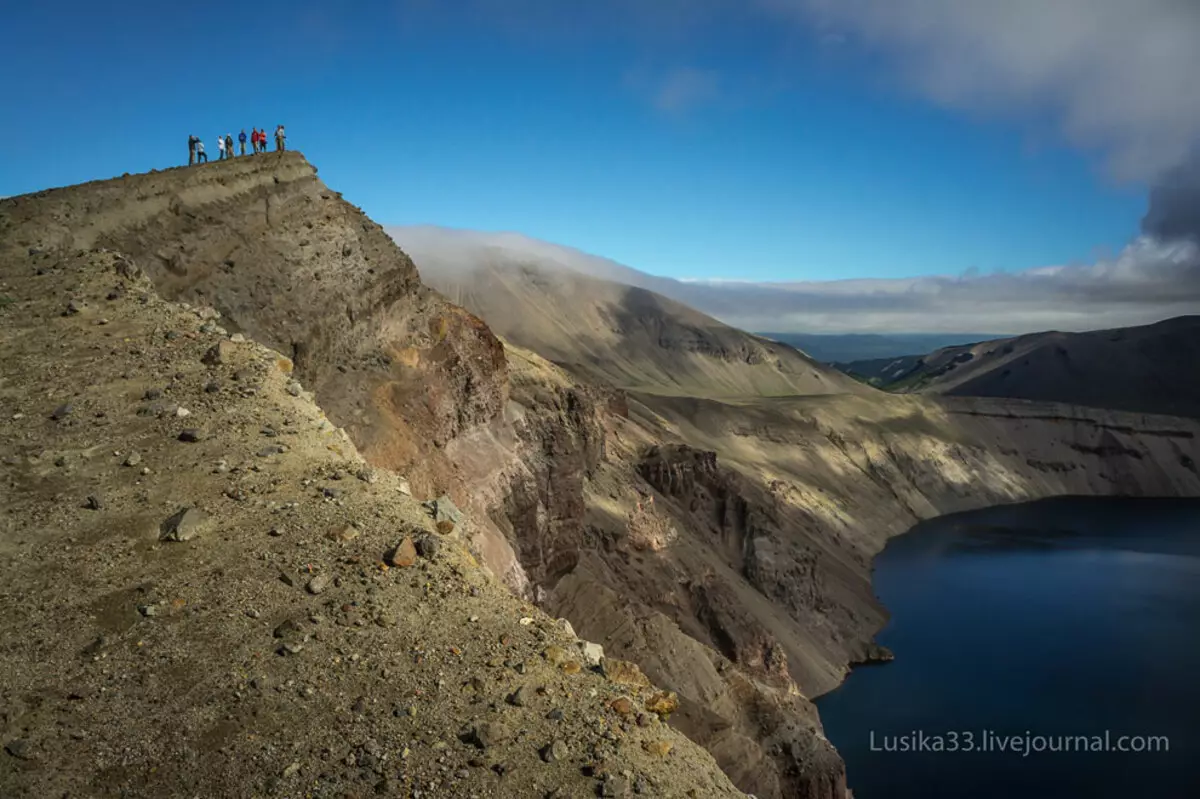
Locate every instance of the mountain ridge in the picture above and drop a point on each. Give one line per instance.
(1144, 368)
(628, 336)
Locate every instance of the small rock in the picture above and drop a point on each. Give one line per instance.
(663, 703)
(218, 353)
(152, 394)
(212, 387)
(444, 509)
(287, 579)
(368, 475)
(519, 697)
(133, 459)
(94, 503)
(185, 525)
(571, 667)
(73, 308)
(565, 626)
(403, 487)
(622, 705)
(237, 338)
(295, 389)
(182, 412)
(554, 655)
(343, 534)
(18, 748)
(593, 654)
(615, 786)
(403, 555)
(148, 610)
(489, 733)
(556, 751)
(428, 546)
(62, 412)
(191, 435)
(623, 672)
(318, 584)
(555, 715)
(288, 628)
(658, 748)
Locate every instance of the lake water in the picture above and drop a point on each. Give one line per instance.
(1048, 625)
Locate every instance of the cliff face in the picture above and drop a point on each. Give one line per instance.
(289, 263)
(730, 545)
(725, 546)
(207, 591)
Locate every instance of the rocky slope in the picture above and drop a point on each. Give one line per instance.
(626, 336)
(722, 542)
(1147, 369)
(208, 591)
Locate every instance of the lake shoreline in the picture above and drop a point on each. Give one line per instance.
(1020, 670)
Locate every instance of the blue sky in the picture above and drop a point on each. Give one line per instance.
(722, 142)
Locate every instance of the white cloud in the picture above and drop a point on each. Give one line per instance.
(1117, 75)
(1147, 282)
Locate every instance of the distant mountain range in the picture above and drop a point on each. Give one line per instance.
(1151, 368)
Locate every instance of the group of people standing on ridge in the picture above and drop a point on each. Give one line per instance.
(258, 141)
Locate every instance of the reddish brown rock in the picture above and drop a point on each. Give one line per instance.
(404, 555)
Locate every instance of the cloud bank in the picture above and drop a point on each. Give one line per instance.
(1118, 76)
(1147, 282)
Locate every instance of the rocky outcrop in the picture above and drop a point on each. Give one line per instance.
(826, 484)
(289, 263)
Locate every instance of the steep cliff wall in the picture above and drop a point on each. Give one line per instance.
(289, 263)
(195, 600)
(734, 564)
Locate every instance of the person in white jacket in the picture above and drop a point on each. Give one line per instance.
(200, 155)
(220, 148)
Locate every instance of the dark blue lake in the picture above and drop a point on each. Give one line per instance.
(1051, 624)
